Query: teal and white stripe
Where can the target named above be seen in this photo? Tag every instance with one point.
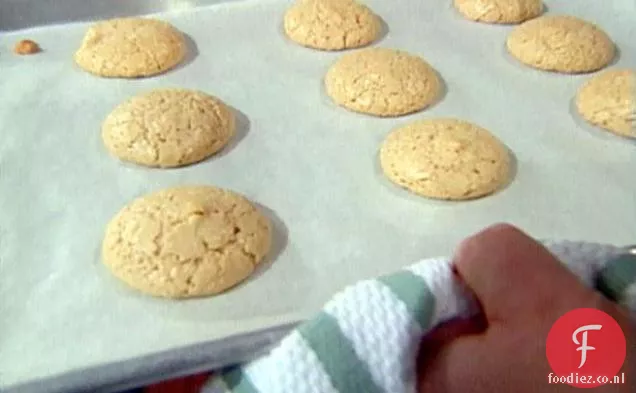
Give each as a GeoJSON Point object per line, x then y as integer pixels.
{"type": "Point", "coordinates": [293, 353]}
{"type": "Point", "coordinates": [629, 300]}
{"type": "Point", "coordinates": [367, 337]}
{"type": "Point", "coordinates": [617, 279]}
{"type": "Point", "coordinates": [452, 298]}
{"type": "Point", "coordinates": [347, 371]}
{"type": "Point", "coordinates": [379, 347]}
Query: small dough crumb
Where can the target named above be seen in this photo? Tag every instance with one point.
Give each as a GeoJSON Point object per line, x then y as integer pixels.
{"type": "Point", "coordinates": [26, 47]}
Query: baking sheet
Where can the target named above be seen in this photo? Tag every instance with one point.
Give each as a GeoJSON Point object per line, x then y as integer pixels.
{"type": "Point", "coordinates": [311, 164]}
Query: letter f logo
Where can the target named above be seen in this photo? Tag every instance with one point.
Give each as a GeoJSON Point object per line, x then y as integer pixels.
{"type": "Point", "coordinates": [583, 344]}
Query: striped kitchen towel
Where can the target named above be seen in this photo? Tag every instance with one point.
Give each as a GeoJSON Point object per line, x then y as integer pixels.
{"type": "Point", "coordinates": [367, 337]}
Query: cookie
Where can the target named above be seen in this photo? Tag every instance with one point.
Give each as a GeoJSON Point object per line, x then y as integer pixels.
{"type": "Point", "coordinates": [499, 11]}
{"type": "Point", "coordinates": [130, 47]}
{"type": "Point", "coordinates": [168, 128]}
{"type": "Point", "coordinates": [445, 159]}
{"type": "Point", "coordinates": [382, 82]}
{"type": "Point", "coordinates": [188, 241]}
{"type": "Point", "coordinates": [561, 43]}
{"type": "Point", "coordinates": [331, 24]}
{"type": "Point", "coordinates": [608, 100]}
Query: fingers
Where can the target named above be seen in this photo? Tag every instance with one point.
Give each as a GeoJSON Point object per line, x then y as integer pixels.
{"type": "Point", "coordinates": [435, 341]}
{"type": "Point", "coordinates": [505, 361]}
{"type": "Point", "coordinates": [453, 329]}
{"type": "Point", "coordinates": [453, 367]}
{"type": "Point", "coordinates": [191, 384]}
{"type": "Point", "coordinates": [516, 278]}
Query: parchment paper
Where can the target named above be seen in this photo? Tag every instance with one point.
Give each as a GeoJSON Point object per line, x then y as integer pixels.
{"type": "Point", "coordinates": [311, 164]}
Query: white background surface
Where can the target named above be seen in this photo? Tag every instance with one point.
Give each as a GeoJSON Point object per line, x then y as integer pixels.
{"type": "Point", "coordinates": [312, 164]}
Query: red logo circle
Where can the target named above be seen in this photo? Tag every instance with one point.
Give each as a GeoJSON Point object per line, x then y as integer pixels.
{"type": "Point", "coordinates": [586, 348]}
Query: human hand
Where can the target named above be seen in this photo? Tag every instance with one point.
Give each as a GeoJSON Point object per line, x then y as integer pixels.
{"type": "Point", "coordinates": [522, 289]}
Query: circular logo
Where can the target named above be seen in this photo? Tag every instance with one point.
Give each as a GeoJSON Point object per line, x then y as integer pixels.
{"type": "Point", "coordinates": [586, 348]}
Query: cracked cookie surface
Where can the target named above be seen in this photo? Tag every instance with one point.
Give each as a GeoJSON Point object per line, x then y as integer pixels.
{"type": "Point", "coordinates": [188, 241]}
{"type": "Point", "coordinates": [445, 159]}
{"type": "Point", "coordinates": [499, 11]}
{"type": "Point", "coordinates": [608, 100]}
{"type": "Point", "coordinates": [130, 48]}
{"type": "Point", "coordinates": [168, 128]}
{"type": "Point", "coordinates": [331, 24]}
{"type": "Point", "coordinates": [561, 44]}
{"type": "Point", "coordinates": [382, 82]}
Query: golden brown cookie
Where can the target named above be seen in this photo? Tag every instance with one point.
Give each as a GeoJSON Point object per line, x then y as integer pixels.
{"type": "Point", "coordinates": [331, 24]}
{"type": "Point", "coordinates": [562, 44]}
{"type": "Point", "coordinates": [168, 128]}
{"type": "Point", "coordinates": [186, 242]}
{"type": "Point", "coordinates": [499, 11]}
{"type": "Point", "coordinates": [608, 100]}
{"type": "Point", "coordinates": [445, 159]}
{"type": "Point", "coordinates": [130, 47]}
{"type": "Point", "coordinates": [382, 82]}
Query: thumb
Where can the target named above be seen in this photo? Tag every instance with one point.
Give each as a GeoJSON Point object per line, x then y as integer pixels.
{"type": "Point", "coordinates": [516, 279]}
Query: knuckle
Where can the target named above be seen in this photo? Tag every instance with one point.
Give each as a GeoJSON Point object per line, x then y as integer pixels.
{"type": "Point", "coordinates": [493, 240]}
